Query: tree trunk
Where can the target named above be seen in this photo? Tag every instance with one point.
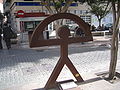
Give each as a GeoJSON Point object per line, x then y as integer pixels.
{"type": "Point", "coordinates": [67, 5]}
{"type": "Point", "coordinates": [114, 44]}
{"type": "Point", "coordinates": [114, 53]}
{"type": "Point", "coordinates": [99, 22]}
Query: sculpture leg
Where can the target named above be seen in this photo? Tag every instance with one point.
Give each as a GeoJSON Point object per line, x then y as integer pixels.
{"type": "Point", "coordinates": [73, 70]}
{"type": "Point", "coordinates": [51, 81]}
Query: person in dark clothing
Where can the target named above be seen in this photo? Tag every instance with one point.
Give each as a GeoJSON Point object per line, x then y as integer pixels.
{"type": "Point", "coordinates": [79, 33]}
{"type": "Point", "coordinates": [7, 36]}
{"type": "Point", "coordinates": [1, 47]}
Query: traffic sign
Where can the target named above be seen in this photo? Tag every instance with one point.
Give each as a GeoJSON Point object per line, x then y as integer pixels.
{"type": "Point", "coordinates": [20, 13]}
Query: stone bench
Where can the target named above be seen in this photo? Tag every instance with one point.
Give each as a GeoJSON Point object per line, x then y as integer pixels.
{"type": "Point", "coordinates": [101, 33]}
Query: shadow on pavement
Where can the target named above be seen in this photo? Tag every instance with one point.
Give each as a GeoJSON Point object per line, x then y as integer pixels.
{"type": "Point", "coordinates": [15, 56]}
{"type": "Point", "coordinates": [90, 81]}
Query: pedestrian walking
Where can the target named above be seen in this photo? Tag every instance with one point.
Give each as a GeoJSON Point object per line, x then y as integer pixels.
{"type": "Point", "coordinates": [7, 35]}
{"type": "Point", "coordinates": [1, 47]}
{"type": "Point", "coordinates": [79, 33]}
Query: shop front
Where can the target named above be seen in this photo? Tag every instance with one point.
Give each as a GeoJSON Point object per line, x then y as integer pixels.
{"type": "Point", "coordinates": [28, 22]}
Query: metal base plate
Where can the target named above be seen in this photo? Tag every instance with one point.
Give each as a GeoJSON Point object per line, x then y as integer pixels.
{"type": "Point", "coordinates": [68, 85]}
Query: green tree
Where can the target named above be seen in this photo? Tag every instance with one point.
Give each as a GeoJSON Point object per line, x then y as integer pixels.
{"type": "Point", "coordinates": [115, 5]}
{"type": "Point", "coordinates": [60, 6]}
{"type": "Point", "coordinates": [99, 8]}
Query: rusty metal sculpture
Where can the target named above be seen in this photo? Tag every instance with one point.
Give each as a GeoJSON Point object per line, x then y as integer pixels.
{"type": "Point", "coordinates": [37, 40]}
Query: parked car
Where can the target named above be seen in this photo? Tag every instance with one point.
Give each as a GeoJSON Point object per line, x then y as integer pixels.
{"type": "Point", "coordinates": [107, 26]}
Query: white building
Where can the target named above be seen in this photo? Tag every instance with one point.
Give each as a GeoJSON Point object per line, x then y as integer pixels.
{"type": "Point", "coordinates": [33, 12]}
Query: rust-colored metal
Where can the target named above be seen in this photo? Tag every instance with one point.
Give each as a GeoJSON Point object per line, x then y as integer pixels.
{"type": "Point", "coordinates": [37, 40]}
{"type": "Point", "coordinates": [63, 33]}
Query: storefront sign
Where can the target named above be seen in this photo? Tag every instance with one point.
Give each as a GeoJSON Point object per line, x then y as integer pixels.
{"type": "Point", "coordinates": [32, 18]}
{"type": "Point", "coordinates": [39, 4]}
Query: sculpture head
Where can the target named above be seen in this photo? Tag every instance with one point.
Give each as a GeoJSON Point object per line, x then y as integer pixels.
{"type": "Point", "coordinates": [63, 32]}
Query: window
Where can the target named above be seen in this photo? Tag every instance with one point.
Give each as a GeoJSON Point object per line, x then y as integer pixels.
{"type": "Point", "coordinates": [31, 25]}
{"type": "Point", "coordinates": [28, 11]}
{"type": "Point", "coordinates": [36, 11]}
{"type": "Point", "coordinates": [77, 12]}
{"type": "Point", "coordinates": [68, 21]}
{"type": "Point", "coordinates": [86, 18]}
{"type": "Point", "coordinates": [74, 11]}
{"type": "Point", "coordinates": [36, 23]}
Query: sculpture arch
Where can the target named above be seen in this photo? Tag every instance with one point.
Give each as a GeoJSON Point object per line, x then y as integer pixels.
{"type": "Point", "coordinates": [38, 32]}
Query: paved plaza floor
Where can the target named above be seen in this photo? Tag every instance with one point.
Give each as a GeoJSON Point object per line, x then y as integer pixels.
{"type": "Point", "coordinates": [24, 68]}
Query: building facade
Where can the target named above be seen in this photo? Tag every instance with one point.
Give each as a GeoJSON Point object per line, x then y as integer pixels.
{"type": "Point", "coordinates": [32, 12]}
{"type": "Point", "coordinates": [24, 15]}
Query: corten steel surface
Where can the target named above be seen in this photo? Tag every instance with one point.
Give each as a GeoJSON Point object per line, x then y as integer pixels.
{"type": "Point", "coordinates": [63, 33]}
{"type": "Point", "coordinates": [37, 40]}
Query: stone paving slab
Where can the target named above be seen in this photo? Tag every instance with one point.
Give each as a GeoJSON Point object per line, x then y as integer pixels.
{"type": "Point", "coordinates": [93, 82]}
{"type": "Point", "coordinates": [22, 67]}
